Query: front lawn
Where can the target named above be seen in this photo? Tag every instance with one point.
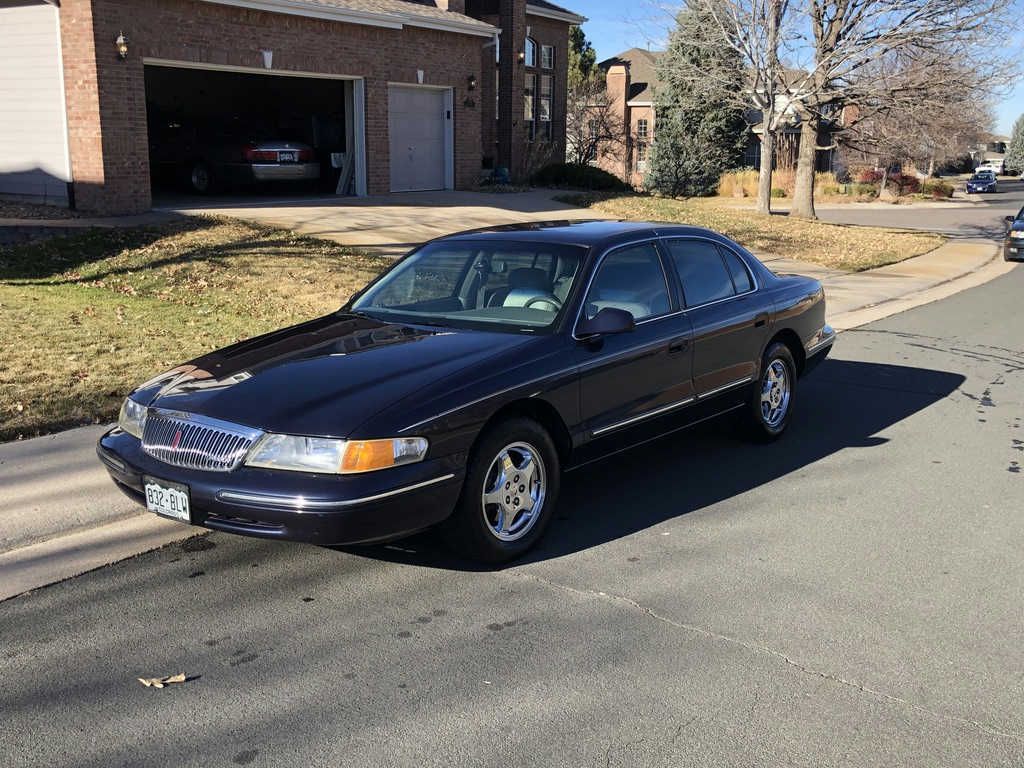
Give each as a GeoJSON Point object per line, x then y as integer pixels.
{"type": "Point", "coordinates": [83, 319]}
{"type": "Point", "coordinates": [831, 245]}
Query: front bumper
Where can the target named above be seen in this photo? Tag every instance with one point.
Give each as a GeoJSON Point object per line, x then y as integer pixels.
{"type": "Point", "coordinates": [292, 506]}
{"type": "Point", "coordinates": [1013, 250]}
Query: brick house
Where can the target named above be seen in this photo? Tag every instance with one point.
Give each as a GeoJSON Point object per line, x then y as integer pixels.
{"type": "Point", "coordinates": [632, 80]}
{"type": "Point", "coordinates": [406, 88]}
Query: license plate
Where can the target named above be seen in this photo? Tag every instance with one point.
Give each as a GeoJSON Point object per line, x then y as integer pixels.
{"type": "Point", "coordinates": [168, 499]}
{"type": "Point", "coordinates": [287, 157]}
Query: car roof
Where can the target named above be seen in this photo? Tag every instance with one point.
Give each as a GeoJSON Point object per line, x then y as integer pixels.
{"type": "Point", "coordinates": [589, 233]}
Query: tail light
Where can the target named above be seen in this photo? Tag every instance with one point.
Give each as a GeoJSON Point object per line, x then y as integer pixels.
{"type": "Point", "coordinates": [254, 155]}
{"type": "Point", "coordinates": [306, 156]}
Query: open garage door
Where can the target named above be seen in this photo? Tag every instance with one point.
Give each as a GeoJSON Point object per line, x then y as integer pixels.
{"type": "Point", "coordinates": [419, 125]}
{"type": "Point", "coordinates": [223, 130]}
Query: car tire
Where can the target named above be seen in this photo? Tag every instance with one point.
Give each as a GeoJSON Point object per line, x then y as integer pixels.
{"type": "Point", "coordinates": [200, 178]}
{"type": "Point", "coordinates": [513, 465]}
{"type": "Point", "coordinates": [771, 402]}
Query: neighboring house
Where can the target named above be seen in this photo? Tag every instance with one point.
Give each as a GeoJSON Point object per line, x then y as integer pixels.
{"type": "Point", "coordinates": [631, 78]}
{"type": "Point", "coordinates": [993, 149]}
{"type": "Point", "coordinates": [632, 81]}
{"type": "Point", "coordinates": [404, 90]}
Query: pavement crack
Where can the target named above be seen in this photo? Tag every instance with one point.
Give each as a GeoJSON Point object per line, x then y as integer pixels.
{"type": "Point", "coordinates": [768, 651]}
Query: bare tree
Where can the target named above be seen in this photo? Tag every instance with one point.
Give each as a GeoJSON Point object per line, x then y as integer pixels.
{"type": "Point", "coordinates": [593, 126]}
{"type": "Point", "coordinates": [756, 30]}
{"type": "Point", "coordinates": [880, 56]}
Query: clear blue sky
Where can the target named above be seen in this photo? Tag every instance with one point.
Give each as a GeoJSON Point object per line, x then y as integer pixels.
{"type": "Point", "coordinates": [617, 25]}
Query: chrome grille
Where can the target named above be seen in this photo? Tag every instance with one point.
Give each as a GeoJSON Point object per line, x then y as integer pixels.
{"type": "Point", "coordinates": [196, 442]}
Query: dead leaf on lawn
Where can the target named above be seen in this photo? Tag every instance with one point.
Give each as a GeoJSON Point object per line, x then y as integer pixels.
{"type": "Point", "coordinates": [160, 682]}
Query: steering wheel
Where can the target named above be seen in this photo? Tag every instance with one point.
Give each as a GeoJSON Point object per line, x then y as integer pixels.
{"type": "Point", "coordinates": [544, 298]}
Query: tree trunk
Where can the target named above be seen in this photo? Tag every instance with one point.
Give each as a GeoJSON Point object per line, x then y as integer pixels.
{"type": "Point", "coordinates": [764, 180]}
{"type": "Point", "coordinates": [803, 191]}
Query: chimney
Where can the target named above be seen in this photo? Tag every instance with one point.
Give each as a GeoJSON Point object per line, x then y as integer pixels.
{"type": "Point", "coordinates": [617, 82]}
{"type": "Point", "coordinates": [455, 6]}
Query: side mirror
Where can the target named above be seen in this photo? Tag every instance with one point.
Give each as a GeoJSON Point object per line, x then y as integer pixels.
{"type": "Point", "coordinates": [607, 322]}
{"type": "Point", "coordinates": [1009, 219]}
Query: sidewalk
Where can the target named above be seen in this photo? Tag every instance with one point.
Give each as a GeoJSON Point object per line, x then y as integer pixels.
{"type": "Point", "coordinates": [60, 515]}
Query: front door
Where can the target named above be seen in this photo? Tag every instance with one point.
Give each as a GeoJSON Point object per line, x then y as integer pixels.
{"type": "Point", "coordinates": [729, 325]}
{"type": "Point", "coordinates": [629, 381]}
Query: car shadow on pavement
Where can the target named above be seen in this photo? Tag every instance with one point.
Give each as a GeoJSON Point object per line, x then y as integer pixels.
{"type": "Point", "coordinates": [844, 404]}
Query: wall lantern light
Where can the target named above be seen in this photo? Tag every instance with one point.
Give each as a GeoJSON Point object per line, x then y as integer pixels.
{"type": "Point", "coordinates": [472, 82]}
{"type": "Point", "coordinates": [122, 46]}
{"type": "Point", "coordinates": [521, 56]}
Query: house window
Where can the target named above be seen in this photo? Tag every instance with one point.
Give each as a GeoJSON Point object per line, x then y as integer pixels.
{"type": "Point", "coordinates": [642, 127]}
{"type": "Point", "coordinates": [547, 57]}
{"type": "Point", "coordinates": [547, 90]}
{"type": "Point", "coordinates": [641, 155]}
{"type": "Point", "coordinates": [531, 52]}
{"type": "Point", "coordinates": [530, 93]}
{"type": "Point", "coordinates": [497, 95]}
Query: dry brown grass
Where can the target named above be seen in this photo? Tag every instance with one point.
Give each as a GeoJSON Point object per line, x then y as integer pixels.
{"type": "Point", "coordinates": [839, 247]}
{"type": "Point", "coordinates": [83, 319]}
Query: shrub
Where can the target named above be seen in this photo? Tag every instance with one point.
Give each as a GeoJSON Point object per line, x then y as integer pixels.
{"type": "Point", "coordinates": [778, 192]}
{"type": "Point", "coordinates": [864, 189]}
{"type": "Point", "coordinates": [937, 189]}
{"type": "Point", "coordinates": [575, 176]}
{"type": "Point", "coordinates": [867, 176]}
{"type": "Point", "coordinates": [903, 184]}
{"type": "Point", "coordinates": [742, 183]}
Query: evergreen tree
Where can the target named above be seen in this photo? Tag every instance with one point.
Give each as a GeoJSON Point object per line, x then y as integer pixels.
{"type": "Point", "coordinates": [700, 130]}
{"type": "Point", "coordinates": [1015, 150]}
{"type": "Point", "coordinates": [582, 59]}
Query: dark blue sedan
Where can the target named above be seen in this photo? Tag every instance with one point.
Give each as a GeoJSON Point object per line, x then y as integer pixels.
{"type": "Point", "coordinates": [983, 181]}
{"type": "Point", "coordinates": [457, 387]}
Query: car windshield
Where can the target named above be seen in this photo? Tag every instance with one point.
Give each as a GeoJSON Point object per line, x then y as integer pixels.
{"type": "Point", "coordinates": [500, 285]}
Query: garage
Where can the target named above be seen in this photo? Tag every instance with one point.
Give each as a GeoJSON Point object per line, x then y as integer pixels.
{"type": "Point", "coordinates": [420, 130]}
{"type": "Point", "coordinates": [227, 129]}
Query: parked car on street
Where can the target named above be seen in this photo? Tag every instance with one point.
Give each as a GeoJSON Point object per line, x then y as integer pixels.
{"type": "Point", "coordinates": [982, 181]}
{"type": "Point", "coordinates": [457, 387]}
{"type": "Point", "coordinates": [206, 157]}
{"type": "Point", "coordinates": [998, 167]}
{"type": "Point", "coordinates": [1013, 246]}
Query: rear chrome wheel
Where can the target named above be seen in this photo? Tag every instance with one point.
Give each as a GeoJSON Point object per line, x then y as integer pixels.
{"type": "Point", "coordinates": [201, 178]}
{"type": "Point", "coordinates": [771, 403]}
{"type": "Point", "coordinates": [514, 491]}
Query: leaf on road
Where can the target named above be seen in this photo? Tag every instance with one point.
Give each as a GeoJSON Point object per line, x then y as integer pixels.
{"type": "Point", "coordinates": [160, 682]}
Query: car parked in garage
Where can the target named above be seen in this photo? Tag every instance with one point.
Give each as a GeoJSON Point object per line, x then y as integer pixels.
{"type": "Point", "coordinates": [207, 156]}
{"type": "Point", "coordinates": [1013, 246]}
{"type": "Point", "coordinates": [457, 387]}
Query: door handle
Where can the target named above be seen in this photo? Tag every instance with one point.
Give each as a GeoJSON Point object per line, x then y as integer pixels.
{"type": "Point", "coordinates": [679, 345]}
{"type": "Point", "coordinates": [761, 321]}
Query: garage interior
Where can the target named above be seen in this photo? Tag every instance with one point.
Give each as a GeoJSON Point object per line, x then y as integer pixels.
{"type": "Point", "coordinates": [205, 116]}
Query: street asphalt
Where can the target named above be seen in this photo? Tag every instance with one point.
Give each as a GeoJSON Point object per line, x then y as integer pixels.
{"type": "Point", "coordinates": [850, 595]}
{"type": "Point", "coordinates": [982, 219]}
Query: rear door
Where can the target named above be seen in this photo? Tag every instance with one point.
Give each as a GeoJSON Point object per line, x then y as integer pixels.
{"type": "Point", "coordinates": [629, 380]}
{"type": "Point", "coordinates": [730, 325]}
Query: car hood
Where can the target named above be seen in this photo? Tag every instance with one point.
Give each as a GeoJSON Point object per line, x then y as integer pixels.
{"type": "Point", "coordinates": [324, 377]}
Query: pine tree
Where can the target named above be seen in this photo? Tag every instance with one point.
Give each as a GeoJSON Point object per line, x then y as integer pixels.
{"type": "Point", "coordinates": [582, 58]}
{"type": "Point", "coordinates": [1015, 150]}
{"type": "Point", "coordinates": [700, 131]}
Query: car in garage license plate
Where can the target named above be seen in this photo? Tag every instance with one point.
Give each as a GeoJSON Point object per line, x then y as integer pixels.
{"type": "Point", "coordinates": [287, 157]}
{"type": "Point", "coordinates": [168, 499]}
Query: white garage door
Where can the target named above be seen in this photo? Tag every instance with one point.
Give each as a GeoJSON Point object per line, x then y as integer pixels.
{"type": "Point", "coordinates": [33, 131]}
{"type": "Point", "coordinates": [417, 123]}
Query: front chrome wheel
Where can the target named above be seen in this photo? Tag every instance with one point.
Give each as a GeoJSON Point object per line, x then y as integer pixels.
{"type": "Point", "coordinates": [515, 487]}
{"type": "Point", "coordinates": [776, 391]}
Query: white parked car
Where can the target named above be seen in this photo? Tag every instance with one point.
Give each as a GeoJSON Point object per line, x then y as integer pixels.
{"type": "Point", "coordinates": [998, 167]}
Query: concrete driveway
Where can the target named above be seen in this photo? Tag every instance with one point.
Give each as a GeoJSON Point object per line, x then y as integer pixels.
{"type": "Point", "coordinates": [389, 223]}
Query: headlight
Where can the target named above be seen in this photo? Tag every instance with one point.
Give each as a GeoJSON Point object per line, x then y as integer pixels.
{"type": "Point", "coordinates": [342, 457]}
{"type": "Point", "coordinates": [132, 418]}
{"type": "Point", "coordinates": [1017, 234]}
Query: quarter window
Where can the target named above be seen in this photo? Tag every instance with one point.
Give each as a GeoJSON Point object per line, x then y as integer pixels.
{"type": "Point", "coordinates": [701, 271]}
{"type": "Point", "coordinates": [631, 279]}
{"type": "Point", "coordinates": [740, 274]}
{"type": "Point", "coordinates": [547, 57]}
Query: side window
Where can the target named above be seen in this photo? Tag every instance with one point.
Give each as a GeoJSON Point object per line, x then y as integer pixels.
{"type": "Point", "coordinates": [701, 271]}
{"type": "Point", "coordinates": [631, 279]}
{"type": "Point", "coordinates": [740, 274]}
